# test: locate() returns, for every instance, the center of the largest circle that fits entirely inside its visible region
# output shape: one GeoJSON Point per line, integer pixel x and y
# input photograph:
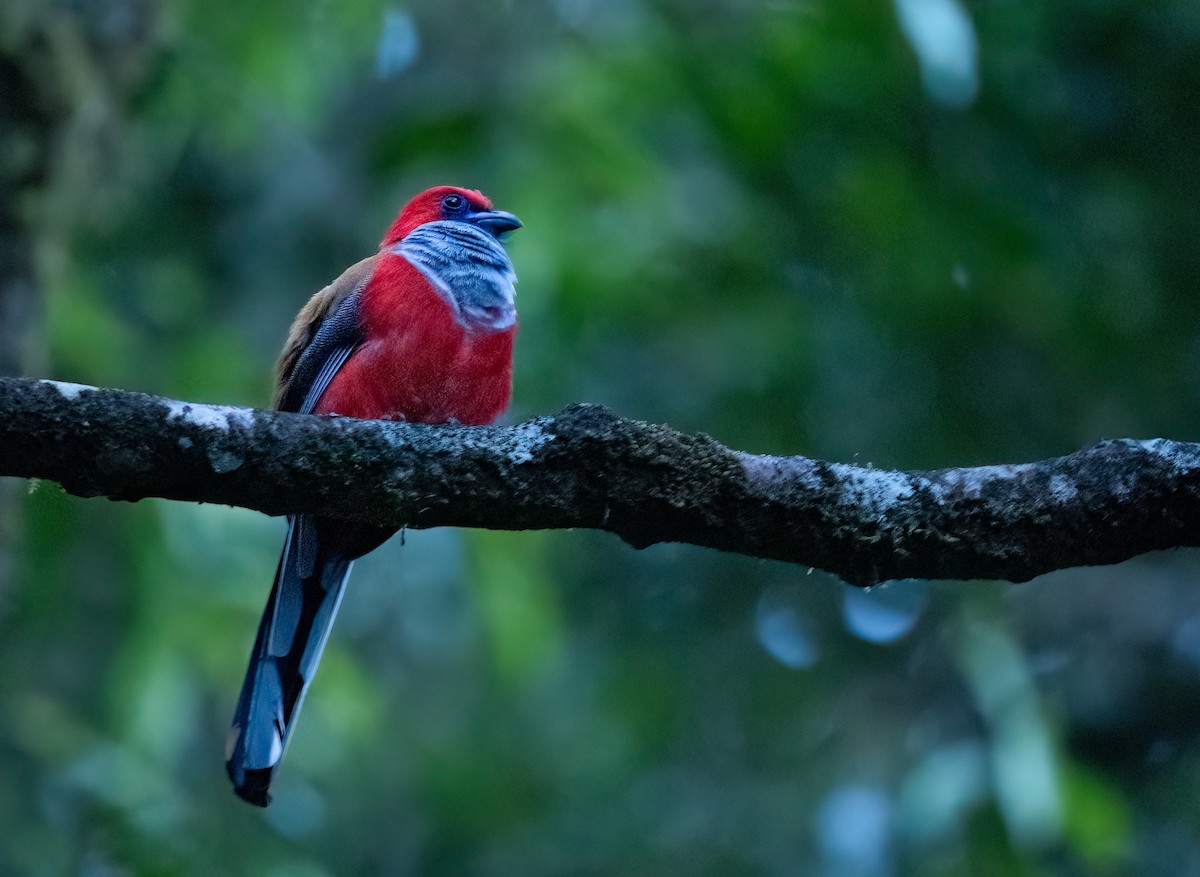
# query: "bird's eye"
{"type": "Point", "coordinates": [454, 203]}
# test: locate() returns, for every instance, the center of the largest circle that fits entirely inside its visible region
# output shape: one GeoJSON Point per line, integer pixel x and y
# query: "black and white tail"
{"type": "Point", "coordinates": [308, 587]}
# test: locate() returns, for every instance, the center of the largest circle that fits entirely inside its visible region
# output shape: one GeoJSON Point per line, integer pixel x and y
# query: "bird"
{"type": "Point", "coordinates": [421, 332]}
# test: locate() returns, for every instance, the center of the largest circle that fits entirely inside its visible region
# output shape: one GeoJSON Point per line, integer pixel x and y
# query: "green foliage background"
{"type": "Point", "coordinates": [748, 218]}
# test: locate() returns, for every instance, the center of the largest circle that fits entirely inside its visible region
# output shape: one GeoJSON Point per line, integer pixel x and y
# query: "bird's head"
{"type": "Point", "coordinates": [450, 203]}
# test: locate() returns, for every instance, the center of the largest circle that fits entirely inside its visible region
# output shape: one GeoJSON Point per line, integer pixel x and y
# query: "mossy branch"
{"type": "Point", "coordinates": [589, 467]}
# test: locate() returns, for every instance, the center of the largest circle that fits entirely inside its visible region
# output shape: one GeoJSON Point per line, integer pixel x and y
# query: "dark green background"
{"type": "Point", "coordinates": [754, 219]}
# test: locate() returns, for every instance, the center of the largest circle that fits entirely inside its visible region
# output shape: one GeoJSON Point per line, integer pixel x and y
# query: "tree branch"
{"type": "Point", "coordinates": [589, 467]}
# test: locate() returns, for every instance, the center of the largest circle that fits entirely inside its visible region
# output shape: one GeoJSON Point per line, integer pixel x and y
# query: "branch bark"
{"type": "Point", "coordinates": [589, 467]}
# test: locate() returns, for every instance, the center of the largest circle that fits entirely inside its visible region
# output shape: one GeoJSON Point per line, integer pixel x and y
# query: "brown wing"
{"type": "Point", "coordinates": [292, 383]}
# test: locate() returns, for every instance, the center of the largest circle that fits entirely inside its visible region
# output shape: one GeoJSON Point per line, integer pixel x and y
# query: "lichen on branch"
{"type": "Point", "coordinates": [589, 467]}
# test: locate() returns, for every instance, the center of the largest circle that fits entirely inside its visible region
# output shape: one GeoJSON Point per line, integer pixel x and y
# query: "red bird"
{"type": "Point", "coordinates": [421, 331]}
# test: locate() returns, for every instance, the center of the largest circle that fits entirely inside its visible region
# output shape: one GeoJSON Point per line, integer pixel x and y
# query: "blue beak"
{"type": "Point", "coordinates": [494, 222]}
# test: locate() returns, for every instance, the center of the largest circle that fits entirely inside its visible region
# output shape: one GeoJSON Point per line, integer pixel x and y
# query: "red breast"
{"type": "Point", "coordinates": [418, 361]}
